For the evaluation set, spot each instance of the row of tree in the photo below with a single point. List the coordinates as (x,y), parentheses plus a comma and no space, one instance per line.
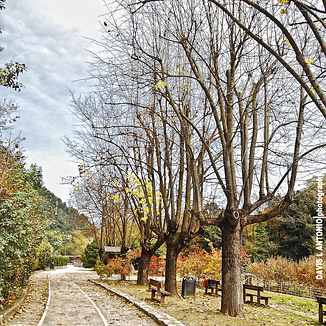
(196,102)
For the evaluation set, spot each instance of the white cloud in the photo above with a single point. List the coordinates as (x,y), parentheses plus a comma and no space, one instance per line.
(47,35)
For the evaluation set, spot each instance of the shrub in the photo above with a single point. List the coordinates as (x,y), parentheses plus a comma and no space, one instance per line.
(201,264)
(60,260)
(117,265)
(100,269)
(157,265)
(44,255)
(280,269)
(194,263)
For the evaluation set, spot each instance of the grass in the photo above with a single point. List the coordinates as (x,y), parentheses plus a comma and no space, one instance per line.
(295,303)
(204,310)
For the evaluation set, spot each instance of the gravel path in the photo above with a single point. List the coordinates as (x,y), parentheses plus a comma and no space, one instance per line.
(74,301)
(116,311)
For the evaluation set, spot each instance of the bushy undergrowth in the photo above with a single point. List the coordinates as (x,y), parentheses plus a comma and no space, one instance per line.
(280,269)
(116,265)
(194,261)
(202,264)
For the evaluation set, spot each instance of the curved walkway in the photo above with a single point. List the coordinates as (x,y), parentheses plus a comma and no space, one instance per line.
(69,305)
(73,300)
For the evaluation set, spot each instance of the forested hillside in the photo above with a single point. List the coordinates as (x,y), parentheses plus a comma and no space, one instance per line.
(65,230)
(29,216)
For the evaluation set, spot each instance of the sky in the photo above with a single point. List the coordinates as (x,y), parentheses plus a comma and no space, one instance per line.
(52,38)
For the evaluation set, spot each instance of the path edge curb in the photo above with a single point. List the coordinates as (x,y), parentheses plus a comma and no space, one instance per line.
(11,311)
(47,303)
(161,318)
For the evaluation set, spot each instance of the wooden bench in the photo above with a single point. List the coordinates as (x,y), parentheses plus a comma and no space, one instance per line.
(251,296)
(212,285)
(155,287)
(321,312)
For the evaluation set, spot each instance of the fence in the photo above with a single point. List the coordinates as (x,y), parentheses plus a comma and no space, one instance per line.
(286,287)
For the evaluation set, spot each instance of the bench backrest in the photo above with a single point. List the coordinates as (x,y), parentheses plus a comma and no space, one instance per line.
(252,287)
(213,282)
(321,300)
(154,283)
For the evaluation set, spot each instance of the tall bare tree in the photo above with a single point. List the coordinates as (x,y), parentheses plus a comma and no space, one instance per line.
(254,145)
(202,108)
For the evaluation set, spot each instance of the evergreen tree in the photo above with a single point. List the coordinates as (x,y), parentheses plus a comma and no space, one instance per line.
(90,255)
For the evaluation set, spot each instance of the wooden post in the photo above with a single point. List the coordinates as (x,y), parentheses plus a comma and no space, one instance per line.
(321,312)
(258,297)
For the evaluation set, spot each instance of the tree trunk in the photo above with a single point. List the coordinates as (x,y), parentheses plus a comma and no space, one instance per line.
(172,251)
(102,253)
(145,258)
(232,297)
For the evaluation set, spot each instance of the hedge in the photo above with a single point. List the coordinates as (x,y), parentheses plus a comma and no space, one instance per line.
(60,260)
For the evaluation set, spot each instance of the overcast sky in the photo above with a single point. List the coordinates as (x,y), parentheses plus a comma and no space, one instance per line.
(50,37)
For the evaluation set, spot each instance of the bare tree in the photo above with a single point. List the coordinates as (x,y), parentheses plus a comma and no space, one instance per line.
(196,107)
(257,113)
(289,21)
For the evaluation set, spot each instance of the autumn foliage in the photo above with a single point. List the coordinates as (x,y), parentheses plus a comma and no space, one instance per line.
(202,264)
(281,269)
(118,265)
(195,261)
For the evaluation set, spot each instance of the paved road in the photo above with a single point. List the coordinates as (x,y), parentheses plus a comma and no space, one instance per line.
(74,301)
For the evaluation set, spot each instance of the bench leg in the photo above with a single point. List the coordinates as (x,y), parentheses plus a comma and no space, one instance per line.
(251,299)
(321,312)
(162,298)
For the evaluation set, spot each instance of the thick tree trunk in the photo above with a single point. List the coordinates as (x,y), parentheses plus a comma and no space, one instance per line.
(146,254)
(232,301)
(145,258)
(172,251)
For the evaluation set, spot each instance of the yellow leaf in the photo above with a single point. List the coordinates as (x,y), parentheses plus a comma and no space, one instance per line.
(312,90)
(309,61)
(182,72)
(185,86)
(283,11)
(287,43)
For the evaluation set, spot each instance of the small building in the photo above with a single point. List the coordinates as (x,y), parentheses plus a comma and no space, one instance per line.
(78,261)
(112,251)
